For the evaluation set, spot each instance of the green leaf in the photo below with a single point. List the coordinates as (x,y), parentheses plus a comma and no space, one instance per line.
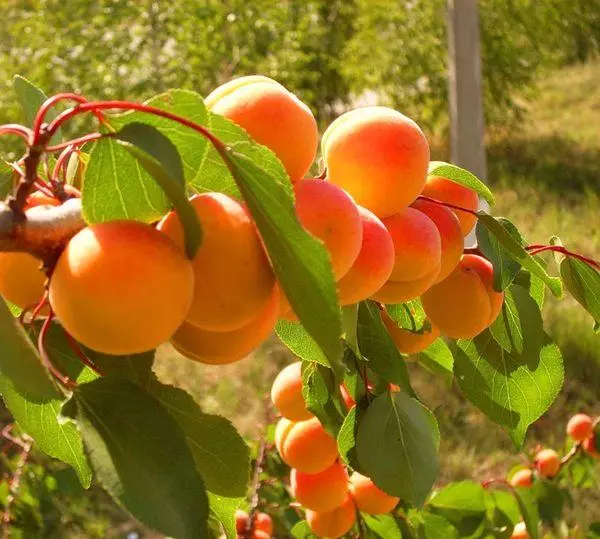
(505,266)
(512,389)
(397,446)
(529,510)
(6,179)
(534,284)
(159,157)
(583,282)
(31,99)
(465,497)
(383,526)
(462,177)
(140,456)
(409,315)
(223,510)
(300,261)
(346,439)
(34,401)
(220,453)
(519,319)
(550,501)
(321,394)
(438,359)
(594,531)
(516,251)
(378,349)
(295,337)
(350,327)
(432,526)
(301,530)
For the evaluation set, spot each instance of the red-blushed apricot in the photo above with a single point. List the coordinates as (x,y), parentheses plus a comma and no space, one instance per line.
(286,393)
(368,497)
(272,116)
(522,478)
(241,520)
(40,199)
(263,522)
(590,448)
(465,303)
(374,263)
(453,193)
(401,291)
(448,226)
(222,347)
(580,427)
(334,523)
(520,531)
(379,156)
(547,462)
(121,287)
(323,491)
(406,341)
(331,215)
(234,280)
(281,431)
(307,446)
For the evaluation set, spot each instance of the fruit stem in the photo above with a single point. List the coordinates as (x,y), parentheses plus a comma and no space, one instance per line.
(535,249)
(64,380)
(15,129)
(448,205)
(76,142)
(81,354)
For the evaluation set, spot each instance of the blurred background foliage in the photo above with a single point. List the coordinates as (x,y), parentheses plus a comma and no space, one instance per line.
(542,101)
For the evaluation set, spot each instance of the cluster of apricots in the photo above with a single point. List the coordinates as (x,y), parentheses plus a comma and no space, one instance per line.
(262,529)
(318,480)
(124,287)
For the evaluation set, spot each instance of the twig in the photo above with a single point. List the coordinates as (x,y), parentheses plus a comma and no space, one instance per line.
(14,485)
(536,249)
(64,380)
(448,205)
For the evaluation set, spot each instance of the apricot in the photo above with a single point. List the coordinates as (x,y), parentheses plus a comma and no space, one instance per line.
(306,446)
(334,523)
(520,531)
(453,193)
(580,427)
(547,462)
(465,303)
(323,491)
(234,280)
(263,524)
(448,225)
(374,263)
(368,497)
(286,393)
(589,446)
(272,116)
(379,156)
(417,256)
(121,287)
(222,347)
(331,215)
(522,478)
(406,341)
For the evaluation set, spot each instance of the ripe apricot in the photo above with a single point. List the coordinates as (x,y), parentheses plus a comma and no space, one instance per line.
(379,156)
(222,347)
(234,281)
(465,303)
(306,446)
(522,478)
(334,523)
(451,236)
(456,194)
(417,256)
(520,531)
(406,341)
(589,446)
(272,116)
(374,262)
(580,427)
(241,520)
(286,393)
(547,462)
(368,497)
(331,215)
(121,287)
(323,491)
(263,522)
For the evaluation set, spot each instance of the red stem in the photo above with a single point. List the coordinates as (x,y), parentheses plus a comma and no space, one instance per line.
(448,205)
(62,378)
(535,249)
(61,161)
(81,354)
(76,142)
(15,129)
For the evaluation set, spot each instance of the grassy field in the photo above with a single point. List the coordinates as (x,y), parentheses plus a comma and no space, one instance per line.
(546,177)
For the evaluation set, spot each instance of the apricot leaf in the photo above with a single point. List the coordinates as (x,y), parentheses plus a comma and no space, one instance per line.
(438,359)
(319,390)
(529,510)
(383,526)
(583,282)
(298,341)
(409,315)
(462,177)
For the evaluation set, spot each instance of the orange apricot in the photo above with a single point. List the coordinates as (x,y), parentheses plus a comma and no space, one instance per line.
(323,491)
(417,256)
(306,446)
(580,427)
(374,263)
(263,522)
(286,393)
(448,225)
(465,303)
(520,531)
(241,520)
(272,116)
(453,193)
(522,478)
(334,523)
(121,287)
(589,446)
(368,497)
(222,347)
(547,462)
(234,280)
(379,156)
(331,215)
(406,341)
